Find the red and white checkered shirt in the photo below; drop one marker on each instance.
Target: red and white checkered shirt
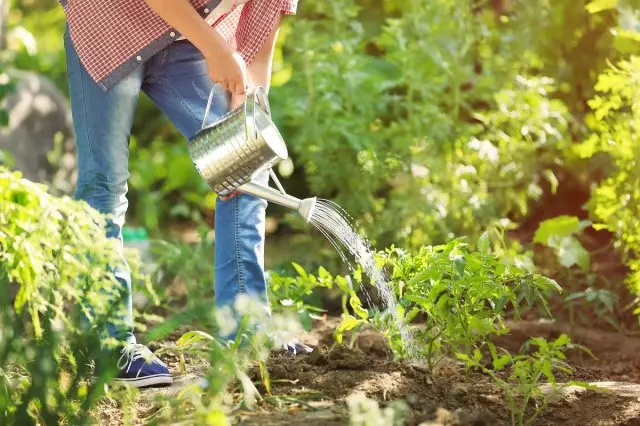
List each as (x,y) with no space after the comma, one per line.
(112,37)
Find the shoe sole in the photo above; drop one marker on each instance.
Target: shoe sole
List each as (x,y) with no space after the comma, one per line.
(142,382)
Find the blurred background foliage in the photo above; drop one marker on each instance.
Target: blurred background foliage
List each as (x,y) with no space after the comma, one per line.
(425,120)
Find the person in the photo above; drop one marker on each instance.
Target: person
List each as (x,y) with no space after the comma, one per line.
(175,51)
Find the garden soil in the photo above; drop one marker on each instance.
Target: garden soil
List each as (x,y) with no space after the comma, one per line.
(311,390)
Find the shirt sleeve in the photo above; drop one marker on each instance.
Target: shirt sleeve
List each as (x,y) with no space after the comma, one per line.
(289,7)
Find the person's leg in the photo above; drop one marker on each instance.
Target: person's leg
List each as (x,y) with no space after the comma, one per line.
(102,123)
(179,85)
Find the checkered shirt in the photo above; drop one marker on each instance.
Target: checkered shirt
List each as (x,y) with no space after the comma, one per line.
(112,37)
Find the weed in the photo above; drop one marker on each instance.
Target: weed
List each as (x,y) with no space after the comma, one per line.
(527,372)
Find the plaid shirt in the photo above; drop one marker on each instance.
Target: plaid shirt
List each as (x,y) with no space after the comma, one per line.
(112,37)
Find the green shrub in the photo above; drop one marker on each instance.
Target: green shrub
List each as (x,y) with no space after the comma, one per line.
(53,265)
(615,201)
(463,296)
(527,373)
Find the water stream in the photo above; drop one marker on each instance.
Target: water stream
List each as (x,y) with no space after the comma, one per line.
(330,219)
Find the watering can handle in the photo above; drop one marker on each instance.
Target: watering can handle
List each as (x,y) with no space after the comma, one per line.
(259,96)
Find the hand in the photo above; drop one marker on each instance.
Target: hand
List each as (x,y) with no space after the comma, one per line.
(227,68)
(229,196)
(236,101)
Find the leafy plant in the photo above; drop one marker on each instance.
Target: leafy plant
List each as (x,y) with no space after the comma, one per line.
(58,293)
(463,295)
(292,293)
(239,344)
(614,202)
(184,264)
(601,301)
(559,234)
(526,373)
(176,192)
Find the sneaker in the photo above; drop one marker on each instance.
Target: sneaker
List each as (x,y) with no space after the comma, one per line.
(296,347)
(139,368)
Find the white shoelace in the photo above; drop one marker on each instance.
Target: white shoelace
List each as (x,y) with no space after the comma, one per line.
(286,341)
(131,353)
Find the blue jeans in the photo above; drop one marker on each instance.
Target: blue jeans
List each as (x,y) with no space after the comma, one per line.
(176,80)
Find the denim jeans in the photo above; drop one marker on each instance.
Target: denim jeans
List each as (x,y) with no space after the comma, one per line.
(176,80)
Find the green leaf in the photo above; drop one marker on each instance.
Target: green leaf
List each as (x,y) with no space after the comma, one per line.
(600,5)
(4,117)
(300,270)
(546,283)
(501,362)
(477,355)
(571,252)
(562,340)
(348,323)
(356,305)
(191,337)
(561,226)
(483,242)
(552,179)
(412,314)
(548,372)
(607,298)
(463,357)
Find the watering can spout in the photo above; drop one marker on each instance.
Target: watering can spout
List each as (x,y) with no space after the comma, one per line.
(305,207)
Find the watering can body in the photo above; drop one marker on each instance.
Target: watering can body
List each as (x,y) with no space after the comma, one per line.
(238,146)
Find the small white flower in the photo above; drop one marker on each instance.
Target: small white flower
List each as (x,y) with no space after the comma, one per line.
(486,150)
(466,170)
(419,171)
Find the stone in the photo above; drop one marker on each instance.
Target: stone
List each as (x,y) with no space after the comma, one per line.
(39,137)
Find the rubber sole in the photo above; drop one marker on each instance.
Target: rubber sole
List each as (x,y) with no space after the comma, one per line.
(143,382)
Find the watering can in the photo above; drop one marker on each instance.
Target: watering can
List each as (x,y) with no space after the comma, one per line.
(244,142)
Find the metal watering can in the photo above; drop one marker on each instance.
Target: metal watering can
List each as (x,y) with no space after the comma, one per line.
(241,144)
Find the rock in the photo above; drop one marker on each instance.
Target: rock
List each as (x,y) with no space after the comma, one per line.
(619,368)
(571,394)
(568,394)
(491,398)
(371,341)
(459,390)
(39,136)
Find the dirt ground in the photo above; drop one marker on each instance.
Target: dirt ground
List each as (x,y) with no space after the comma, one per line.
(311,389)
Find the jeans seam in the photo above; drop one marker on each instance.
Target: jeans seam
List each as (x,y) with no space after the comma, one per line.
(242,287)
(184,104)
(93,186)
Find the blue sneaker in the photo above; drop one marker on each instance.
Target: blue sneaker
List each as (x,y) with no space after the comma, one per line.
(139,368)
(296,347)
(289,344)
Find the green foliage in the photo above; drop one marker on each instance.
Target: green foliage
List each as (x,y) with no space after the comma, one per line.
(51,271)
(559,234)
(167,184)
(527,373)
(34,40)
(433,121)
(7,85)
(184,264)
(212,399)
(614,202)
(293,293)
(463,295)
